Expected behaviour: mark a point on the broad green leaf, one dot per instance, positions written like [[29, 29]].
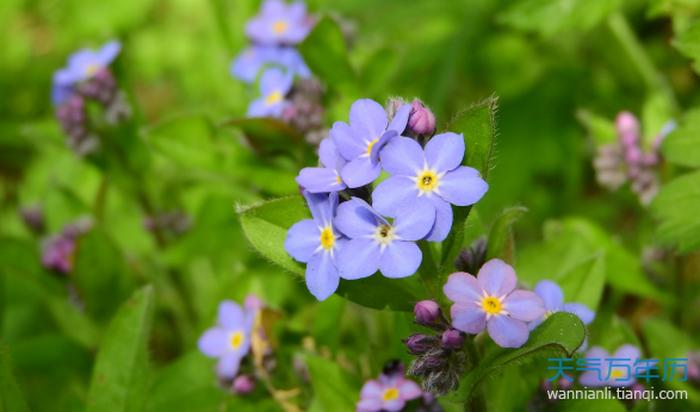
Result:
[[186, 140], [675, 207], [571, 242], [549, 17], [600, 129], [265, 225], [119, 380], [100, 274], [11, 398], [334, 389], [682, 146], [562, 333], [500, 241], [326, 54], [584, 283], [269, 136], [656, 114], [378, 71], [688, 42]]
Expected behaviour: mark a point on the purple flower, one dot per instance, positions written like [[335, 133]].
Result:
[[316, 243], [388, 393], [249, 62], [82, 65], [553, 299], [243, 384], [327, 178], [274, 86], [616, 370], [361, 141], [426, 312], [229, 340], [279, 23], [377, 244], [58, 253], [421, 120], [434, 173], [490, 301]]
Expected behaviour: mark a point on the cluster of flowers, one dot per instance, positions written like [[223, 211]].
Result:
[[393, 392], [238, 332], [273, 34], [58, 251], [488, 302], [350, 238], [87, 78], [627, 159]]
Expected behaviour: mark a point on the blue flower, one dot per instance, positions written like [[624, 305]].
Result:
[[327, 178], [361, 141], [249, 62], [229, 340], [553, 299], [82, 65], [316, 243], [279, 23], [375, 243], [434, 173], [274, 86]]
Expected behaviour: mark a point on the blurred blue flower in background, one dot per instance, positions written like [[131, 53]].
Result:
[[230, 339], [553, 298], [274, 86], [279, 23], [250, 61]]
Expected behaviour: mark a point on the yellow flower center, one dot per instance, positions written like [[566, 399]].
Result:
[[338, 180], [91, 69], [427, 181], [384, 234], [491, 305], [327, 238], [370, 145], [274, 97], [236, 340], [390, 394], [280, 26], [617, 373]]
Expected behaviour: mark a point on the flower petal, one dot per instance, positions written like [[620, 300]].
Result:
[[345, 141], [322, 206], [408, 390], [231, 315], [358, 259], [322, 276], [468, 317], [627, 352], [586, 315], [108, 53], [319, 180], [414, 223], [392, 193], [462, 287], [400, 259], [551, 294], [402, 156], [360, 171], [444, 151], [400, 119], [507, 332], [497, 277], [356, 219], [443, 220], [275, 80], [214, 342], [524, 305], [328, 153], [303, 238], [228, 365], [368, 119], [462, 186]]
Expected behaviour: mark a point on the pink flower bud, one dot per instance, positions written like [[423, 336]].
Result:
[[419, 343], [627, 125], [421, 120], [452, 339], [252, 302], [243, 384], [427, 312]]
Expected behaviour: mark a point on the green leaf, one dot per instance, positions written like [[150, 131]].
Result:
[[688, 42], [326, 54], [599, 128], [478, 124], [500, 241], [265, 225], [269, 136], [656, 113], [584, 283], [675, 207], [562, 333], [11, 398], [682, 146], [549, 17], [119, 380], [665, 340], [334, 389]]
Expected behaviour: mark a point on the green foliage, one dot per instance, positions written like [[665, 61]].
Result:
[[561, 334], [11, 398], [500, 241], [682, 147], [119, 380], [675, 207], [334, 389], [325, 53]]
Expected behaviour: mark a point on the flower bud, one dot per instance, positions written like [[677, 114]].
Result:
[[33, 218], [421, 120], [420, 343], [427, 312], [627, 128], [472, 258], [252, 302], [452, 339], [243, 384]]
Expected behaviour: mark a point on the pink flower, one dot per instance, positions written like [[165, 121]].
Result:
[[388, 393]]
